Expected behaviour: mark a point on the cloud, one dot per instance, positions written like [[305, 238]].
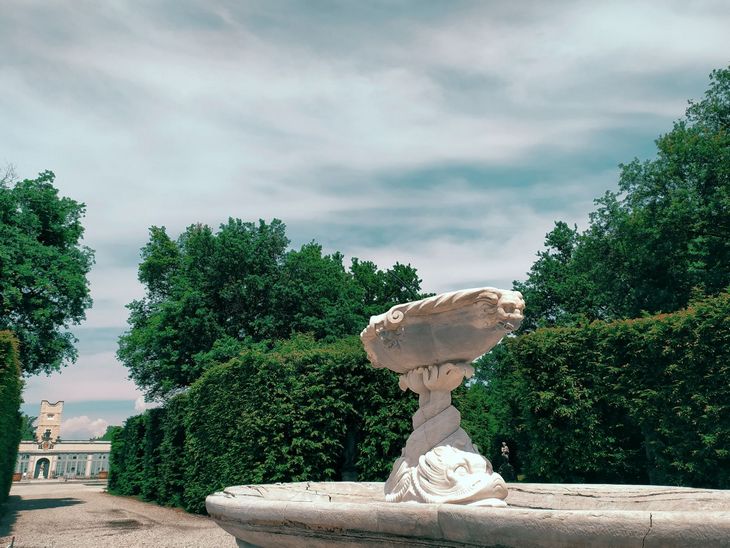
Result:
[[448, 264], [140, 405], [446, 135], [112, 288], [82, 428], [93, 377]]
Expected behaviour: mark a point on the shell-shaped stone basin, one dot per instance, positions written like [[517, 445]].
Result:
[[454, 327]]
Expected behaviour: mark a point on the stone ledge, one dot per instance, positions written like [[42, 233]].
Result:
[[539, 515]]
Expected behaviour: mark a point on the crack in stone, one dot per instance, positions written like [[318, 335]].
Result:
[[651, 523], [309, 488]]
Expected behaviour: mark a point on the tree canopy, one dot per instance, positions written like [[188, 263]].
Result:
[[108, 434], [211, 294], [27, 427], [662, 236], [43, 268]]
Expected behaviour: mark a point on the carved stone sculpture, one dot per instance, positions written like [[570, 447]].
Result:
[[431, 344]]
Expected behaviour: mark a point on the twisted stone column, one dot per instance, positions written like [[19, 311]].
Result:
[[439, 462]]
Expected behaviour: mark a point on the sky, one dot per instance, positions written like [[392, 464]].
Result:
[[447, 135]]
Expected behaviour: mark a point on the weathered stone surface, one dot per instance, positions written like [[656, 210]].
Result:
[[452, 327], [576, 496], [539, 516]]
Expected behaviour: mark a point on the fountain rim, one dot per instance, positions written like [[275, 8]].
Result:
[[252, 518]]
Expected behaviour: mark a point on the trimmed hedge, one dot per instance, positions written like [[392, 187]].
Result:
[[126, 461], [11, 387], [301, 410], [635, 401], [171, 470], [147, 457]]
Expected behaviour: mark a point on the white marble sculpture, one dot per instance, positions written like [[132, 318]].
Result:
[[431, 343]]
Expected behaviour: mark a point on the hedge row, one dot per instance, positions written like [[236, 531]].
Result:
[[639, 401], [11, 387], [636, 401], [299, 411]]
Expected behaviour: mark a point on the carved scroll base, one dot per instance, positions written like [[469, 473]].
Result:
[[446, 475], [439, 463]]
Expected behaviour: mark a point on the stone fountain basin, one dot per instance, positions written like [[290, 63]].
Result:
[[539, 515]]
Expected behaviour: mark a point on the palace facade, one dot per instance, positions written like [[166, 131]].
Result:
[[50, 457]]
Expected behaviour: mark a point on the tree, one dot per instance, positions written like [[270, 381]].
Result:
[[555, 290], [663, 235], [201, 289], [43, 268], [314, 294], [27, 428], [109, 434], [381, 289], [211, 295], [658, 242]]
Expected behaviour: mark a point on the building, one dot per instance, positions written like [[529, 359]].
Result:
[[51, 457], [49, 421]]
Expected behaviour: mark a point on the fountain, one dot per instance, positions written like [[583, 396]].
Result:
[[441, 491], [431, 344]]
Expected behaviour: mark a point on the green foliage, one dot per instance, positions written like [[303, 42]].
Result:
[[43, 268], [284, 415], [632, 401], [665, 232], [109, 434], [150, 478], [27, 427], [11, 387], [601, 402], [314, 294], [295, 410], [211, 295], [147, 456], [126, 461], [557, 292], [171, 479]]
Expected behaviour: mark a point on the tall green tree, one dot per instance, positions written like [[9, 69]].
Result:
[[314, 294], [380, 289], [662, 236], [27, 427], [211, 294], [556, 291], [203, 289], [43, 269]]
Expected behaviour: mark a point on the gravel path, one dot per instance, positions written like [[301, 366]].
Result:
[[66, 515]]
